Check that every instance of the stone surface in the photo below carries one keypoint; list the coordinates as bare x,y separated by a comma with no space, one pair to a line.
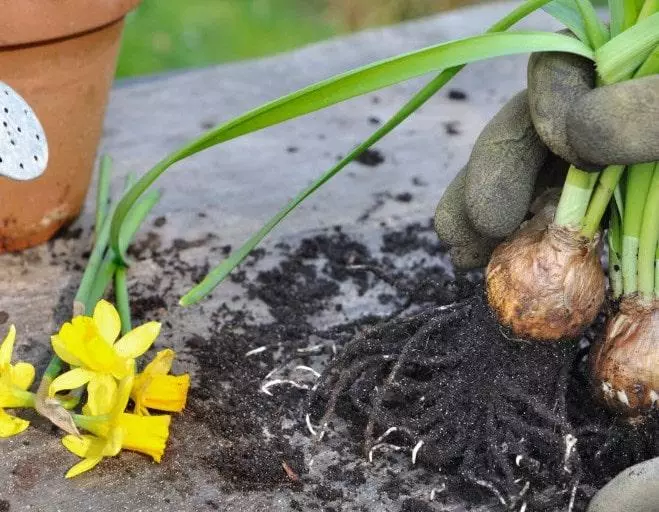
237,187
636,489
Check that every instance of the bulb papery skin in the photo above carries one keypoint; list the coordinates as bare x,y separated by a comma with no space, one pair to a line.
624,363
546,282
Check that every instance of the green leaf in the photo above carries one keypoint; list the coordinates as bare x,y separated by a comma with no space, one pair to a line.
619,58
568,14
650,66
616,17
649,7
466,50
624,14
597,32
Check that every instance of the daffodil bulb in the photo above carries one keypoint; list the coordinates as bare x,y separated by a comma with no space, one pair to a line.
625,361
546,282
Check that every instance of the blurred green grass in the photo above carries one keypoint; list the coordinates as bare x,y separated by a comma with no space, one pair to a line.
169,34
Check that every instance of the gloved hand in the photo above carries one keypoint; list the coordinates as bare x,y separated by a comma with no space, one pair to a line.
528,145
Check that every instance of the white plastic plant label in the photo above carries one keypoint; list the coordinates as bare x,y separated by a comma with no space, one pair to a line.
23,146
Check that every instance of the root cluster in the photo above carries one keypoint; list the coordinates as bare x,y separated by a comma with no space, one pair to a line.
482,408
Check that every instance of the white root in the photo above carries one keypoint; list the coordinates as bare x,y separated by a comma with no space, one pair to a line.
390,430
415,451
308,369
310,426
570,443
255,351
435,490
280,382
382,446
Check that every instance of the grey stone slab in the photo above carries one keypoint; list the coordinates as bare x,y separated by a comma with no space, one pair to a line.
237,187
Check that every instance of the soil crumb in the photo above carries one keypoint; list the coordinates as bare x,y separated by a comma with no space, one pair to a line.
370,158
457,94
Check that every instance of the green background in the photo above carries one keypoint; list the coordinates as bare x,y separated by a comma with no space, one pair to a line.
168,34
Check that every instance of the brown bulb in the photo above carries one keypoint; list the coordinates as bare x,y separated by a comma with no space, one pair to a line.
546,283
625,361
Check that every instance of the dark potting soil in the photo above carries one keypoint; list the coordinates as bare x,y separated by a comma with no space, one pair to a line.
497,416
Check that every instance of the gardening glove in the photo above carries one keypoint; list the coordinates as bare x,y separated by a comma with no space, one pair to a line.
591,128
491,196
510,163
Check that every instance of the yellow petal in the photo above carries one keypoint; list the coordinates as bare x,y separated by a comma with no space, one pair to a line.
145,434
123,393
107,320
138,341
7,347
161,364
78,445
82,466
22,375
72,379
61,349
165,393
101,393
114,442
104,359
11,425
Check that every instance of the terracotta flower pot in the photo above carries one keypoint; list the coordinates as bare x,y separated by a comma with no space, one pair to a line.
61,57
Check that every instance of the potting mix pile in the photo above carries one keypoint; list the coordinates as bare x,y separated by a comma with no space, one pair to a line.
430,380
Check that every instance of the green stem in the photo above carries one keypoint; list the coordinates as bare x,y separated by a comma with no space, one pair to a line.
121,296
638,181
614,241
103,192
102,280
53,369
110,263
574,198
81,300
647,248
656,272
597,206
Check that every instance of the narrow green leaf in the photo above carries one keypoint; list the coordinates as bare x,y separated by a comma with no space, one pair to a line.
597,32
650,66
568,14
630,8
619,58
616,17
649,8
103,193
349,85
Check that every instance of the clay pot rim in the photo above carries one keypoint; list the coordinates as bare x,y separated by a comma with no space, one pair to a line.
33,21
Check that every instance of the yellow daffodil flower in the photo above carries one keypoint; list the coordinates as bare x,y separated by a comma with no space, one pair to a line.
112,429
90,345
155,389
14,382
